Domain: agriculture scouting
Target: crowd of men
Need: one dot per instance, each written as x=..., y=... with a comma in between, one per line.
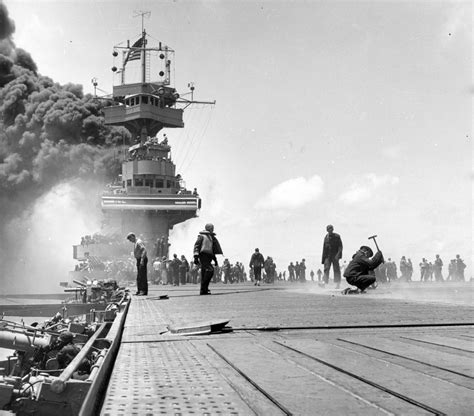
x=430, y=271
x=98, y=238
x=177, y=270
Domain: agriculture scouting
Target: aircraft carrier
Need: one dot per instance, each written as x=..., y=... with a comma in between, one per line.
x=294, y=349
x=277, y=349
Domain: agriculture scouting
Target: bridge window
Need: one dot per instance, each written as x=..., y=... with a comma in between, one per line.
x=149, y=182
x=145, y=100
x=138, y=182
x=129, y=182
x=159, y=183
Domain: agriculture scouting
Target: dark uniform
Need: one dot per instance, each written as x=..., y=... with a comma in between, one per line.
x=205, y=250
x=139, y=251
x=174, y=269
x=226, y=269
x=291, y=272
x=256, y=263
x=358, y=272
x=460, y=266
x=438, y=267
x=183, y=270
x=332, y=253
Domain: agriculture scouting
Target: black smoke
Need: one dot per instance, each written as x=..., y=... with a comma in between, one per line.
x=49, y=134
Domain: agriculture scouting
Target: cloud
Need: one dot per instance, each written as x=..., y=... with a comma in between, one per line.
x=293, y=193
x=392, y=152
x=365, y=189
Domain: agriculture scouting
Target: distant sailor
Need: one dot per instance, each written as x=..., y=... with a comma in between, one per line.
x=438, y=269
x=205, y=250
x=174, y=265
x=359, y=271
x=332, y=253
x=291, y=272
x=460, y=266
x=256, y=263
x=139, y=251
x=303, y=271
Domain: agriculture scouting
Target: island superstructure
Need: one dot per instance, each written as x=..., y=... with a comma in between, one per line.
x=149, y=197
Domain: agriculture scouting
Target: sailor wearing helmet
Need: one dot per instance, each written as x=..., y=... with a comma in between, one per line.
x=205, y=250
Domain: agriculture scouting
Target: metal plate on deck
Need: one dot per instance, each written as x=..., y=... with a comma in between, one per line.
x=168, y=378
x=199, y=328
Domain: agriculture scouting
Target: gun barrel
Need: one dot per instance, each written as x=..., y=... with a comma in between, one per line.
x=15, y=340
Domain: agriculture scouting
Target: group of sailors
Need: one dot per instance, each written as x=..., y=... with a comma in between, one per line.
x=430, y=271
x=179, y=271
x=433, y=271
x=98, y=238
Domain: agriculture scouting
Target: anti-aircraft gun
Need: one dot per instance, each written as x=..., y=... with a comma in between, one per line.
x=97, y=291
x=55, y=364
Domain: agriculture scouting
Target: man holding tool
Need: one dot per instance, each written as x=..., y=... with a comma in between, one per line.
x=359, y=271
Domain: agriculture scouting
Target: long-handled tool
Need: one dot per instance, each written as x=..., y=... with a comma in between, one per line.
x=372, y=237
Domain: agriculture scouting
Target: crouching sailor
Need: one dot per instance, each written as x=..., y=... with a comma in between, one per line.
x=359, y=271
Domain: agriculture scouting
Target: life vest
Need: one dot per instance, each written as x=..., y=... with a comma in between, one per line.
x=206, y=246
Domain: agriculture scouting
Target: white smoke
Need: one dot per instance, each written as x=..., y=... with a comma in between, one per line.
x=43, y=256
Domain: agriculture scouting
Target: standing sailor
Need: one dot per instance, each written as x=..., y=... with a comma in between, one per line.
x=205, y=250
x=256, y=263
x=139, y=251
x=332, y=253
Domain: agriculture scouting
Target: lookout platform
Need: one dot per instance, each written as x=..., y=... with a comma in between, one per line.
x=296, y=349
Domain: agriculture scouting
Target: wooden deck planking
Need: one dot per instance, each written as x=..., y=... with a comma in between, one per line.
x=416, y=386
x=423, y=353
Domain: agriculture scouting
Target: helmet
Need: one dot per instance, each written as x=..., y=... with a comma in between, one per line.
x=66, y=337
x=367, y=250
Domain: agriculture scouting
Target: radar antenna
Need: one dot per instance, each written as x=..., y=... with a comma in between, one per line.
x=143, y=14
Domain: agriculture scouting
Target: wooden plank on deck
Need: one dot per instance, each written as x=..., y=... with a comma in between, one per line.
x=413, y=385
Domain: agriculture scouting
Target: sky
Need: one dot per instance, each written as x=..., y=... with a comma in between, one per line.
x=351, y=113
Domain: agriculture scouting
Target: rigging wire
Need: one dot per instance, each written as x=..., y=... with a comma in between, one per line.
x=182, y=141
x=200, y=141
x=191, y=140
x=200, y=137
x=187, y=138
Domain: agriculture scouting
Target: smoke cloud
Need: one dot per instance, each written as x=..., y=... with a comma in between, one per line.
x=50, y=135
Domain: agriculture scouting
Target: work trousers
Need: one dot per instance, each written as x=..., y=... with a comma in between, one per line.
x=175, y=274
x=335, y=268
x=257, y=273
x=142, y=276
x=361, y=282
x=207, y=271
x=182, y=275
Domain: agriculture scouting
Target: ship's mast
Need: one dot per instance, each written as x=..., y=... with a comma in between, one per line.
x=144, y=56
x=143, y=14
